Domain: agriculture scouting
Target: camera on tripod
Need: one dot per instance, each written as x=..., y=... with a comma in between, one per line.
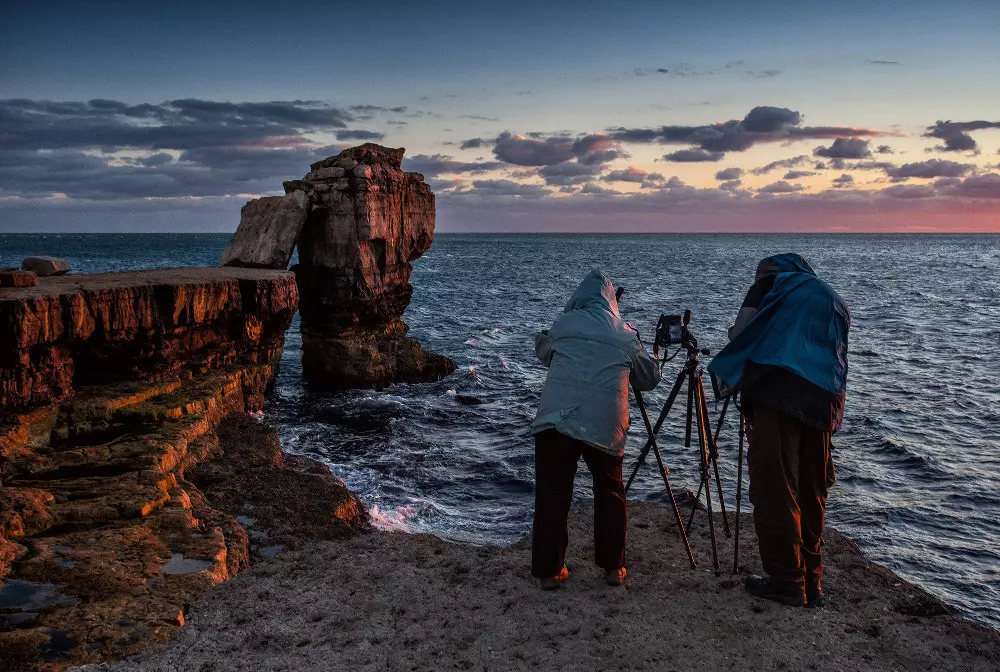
x=672, y=329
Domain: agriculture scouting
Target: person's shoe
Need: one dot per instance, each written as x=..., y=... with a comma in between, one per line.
x=814, y=596
x=553, y=582
x=761, y=587
x=615, y=577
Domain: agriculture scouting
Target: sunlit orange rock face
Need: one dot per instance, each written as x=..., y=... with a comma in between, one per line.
x=359, y=222
x=124, y=469
x=76, y=330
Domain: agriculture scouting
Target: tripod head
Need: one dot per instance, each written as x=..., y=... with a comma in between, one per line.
x=673, y=330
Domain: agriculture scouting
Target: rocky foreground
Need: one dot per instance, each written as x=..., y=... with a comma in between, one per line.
x=385, y=601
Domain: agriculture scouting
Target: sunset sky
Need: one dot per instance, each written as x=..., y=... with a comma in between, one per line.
x=542, y=116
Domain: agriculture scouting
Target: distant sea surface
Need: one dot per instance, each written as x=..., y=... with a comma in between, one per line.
x=918, y=459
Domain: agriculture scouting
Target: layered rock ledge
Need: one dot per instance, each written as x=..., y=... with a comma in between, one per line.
x=77, y=330
x=131, y=477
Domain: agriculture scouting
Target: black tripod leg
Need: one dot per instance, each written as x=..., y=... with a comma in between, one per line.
x=739, y=497
x=651, y=433
x=713, y=454
x=663, y=472
x=704, y=434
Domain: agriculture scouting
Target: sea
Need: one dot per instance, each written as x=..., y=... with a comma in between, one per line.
x=917, y=460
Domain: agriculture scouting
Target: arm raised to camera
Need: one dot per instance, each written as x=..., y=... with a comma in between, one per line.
x=543, y=346
x=645, y=373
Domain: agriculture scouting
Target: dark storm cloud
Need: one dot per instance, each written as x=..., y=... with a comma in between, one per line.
x=359, y=135
x=729, y=174
x=693, y=156
x=845, y=148
x=955, y=134
x=438, y=164
x=538, y=150
x=930, y=168
x=762, y=124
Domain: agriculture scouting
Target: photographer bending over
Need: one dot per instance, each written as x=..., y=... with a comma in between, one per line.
x=592, y=356
x=788, y=356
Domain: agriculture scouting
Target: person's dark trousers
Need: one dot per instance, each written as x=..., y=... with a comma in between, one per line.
x=790, y=471
x=556, y=457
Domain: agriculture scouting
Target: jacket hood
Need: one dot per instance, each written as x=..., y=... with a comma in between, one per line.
x=596, y=291
x=783, y=263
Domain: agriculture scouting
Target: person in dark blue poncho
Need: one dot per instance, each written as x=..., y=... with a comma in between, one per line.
x=787, y=356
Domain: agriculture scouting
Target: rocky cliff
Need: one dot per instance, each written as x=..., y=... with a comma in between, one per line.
x=78, y=330
x=359, y=222
x=131, y=477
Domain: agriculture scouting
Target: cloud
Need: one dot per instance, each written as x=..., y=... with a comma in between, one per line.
x=630, y=174
x=546, y=151
x=878, y=62
x=731, y=185
x=930, y=168
x=473, y=143
x=977, y=186
x=781, y=163
x=843, y=181
x=598, y=190
x=884, y=149
x=693, y=156
x=359, y=135
x=909, y=191
x=438, y=164
x=762, y=124
x=510, y=188
x=796, y=174
x=569, y=173
x=955, y=134
x=729, y=174
x=781, y=187
x=845, y=148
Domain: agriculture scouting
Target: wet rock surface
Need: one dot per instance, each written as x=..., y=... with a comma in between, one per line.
x=77, y=330
x=415, y=602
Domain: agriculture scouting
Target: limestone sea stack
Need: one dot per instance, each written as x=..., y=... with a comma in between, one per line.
x=365, y=223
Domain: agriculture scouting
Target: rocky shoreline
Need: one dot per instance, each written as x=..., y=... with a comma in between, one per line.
x=392, y=601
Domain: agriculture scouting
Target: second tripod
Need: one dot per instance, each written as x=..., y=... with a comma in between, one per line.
x=697, y=418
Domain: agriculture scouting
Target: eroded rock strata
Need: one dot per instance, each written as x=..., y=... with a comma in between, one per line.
x=366, y=222
x=92, y=329
x=130, y=496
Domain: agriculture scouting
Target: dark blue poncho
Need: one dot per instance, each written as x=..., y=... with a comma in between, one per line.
x=801, y=326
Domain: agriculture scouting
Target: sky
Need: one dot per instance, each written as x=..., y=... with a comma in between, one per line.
x=541, y=116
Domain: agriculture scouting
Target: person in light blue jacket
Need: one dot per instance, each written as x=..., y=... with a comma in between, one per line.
x=593, y=356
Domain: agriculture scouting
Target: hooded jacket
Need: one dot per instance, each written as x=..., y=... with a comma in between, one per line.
x=788, y=349
x=592, y=355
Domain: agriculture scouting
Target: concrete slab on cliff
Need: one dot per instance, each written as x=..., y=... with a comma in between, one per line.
x=415, y=602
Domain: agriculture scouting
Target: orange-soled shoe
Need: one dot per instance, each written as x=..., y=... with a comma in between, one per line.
x=553, y=582
x=615, y=577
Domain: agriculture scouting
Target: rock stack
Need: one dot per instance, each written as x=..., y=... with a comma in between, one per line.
x=359, y=221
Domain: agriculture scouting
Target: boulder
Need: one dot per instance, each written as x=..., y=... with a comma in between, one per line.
x=45, y=266
x=268, y=230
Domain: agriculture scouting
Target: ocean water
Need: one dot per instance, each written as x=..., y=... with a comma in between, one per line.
x=918, y=459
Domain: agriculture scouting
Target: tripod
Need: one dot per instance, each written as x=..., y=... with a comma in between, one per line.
x=697, y=409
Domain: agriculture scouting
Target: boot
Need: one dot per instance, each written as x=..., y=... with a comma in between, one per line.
x=761, y=587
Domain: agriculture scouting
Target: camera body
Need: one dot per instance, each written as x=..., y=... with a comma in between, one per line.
x=672, y=330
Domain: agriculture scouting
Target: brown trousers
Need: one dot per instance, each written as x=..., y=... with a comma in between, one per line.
x=790, y=471
x=556, y=457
